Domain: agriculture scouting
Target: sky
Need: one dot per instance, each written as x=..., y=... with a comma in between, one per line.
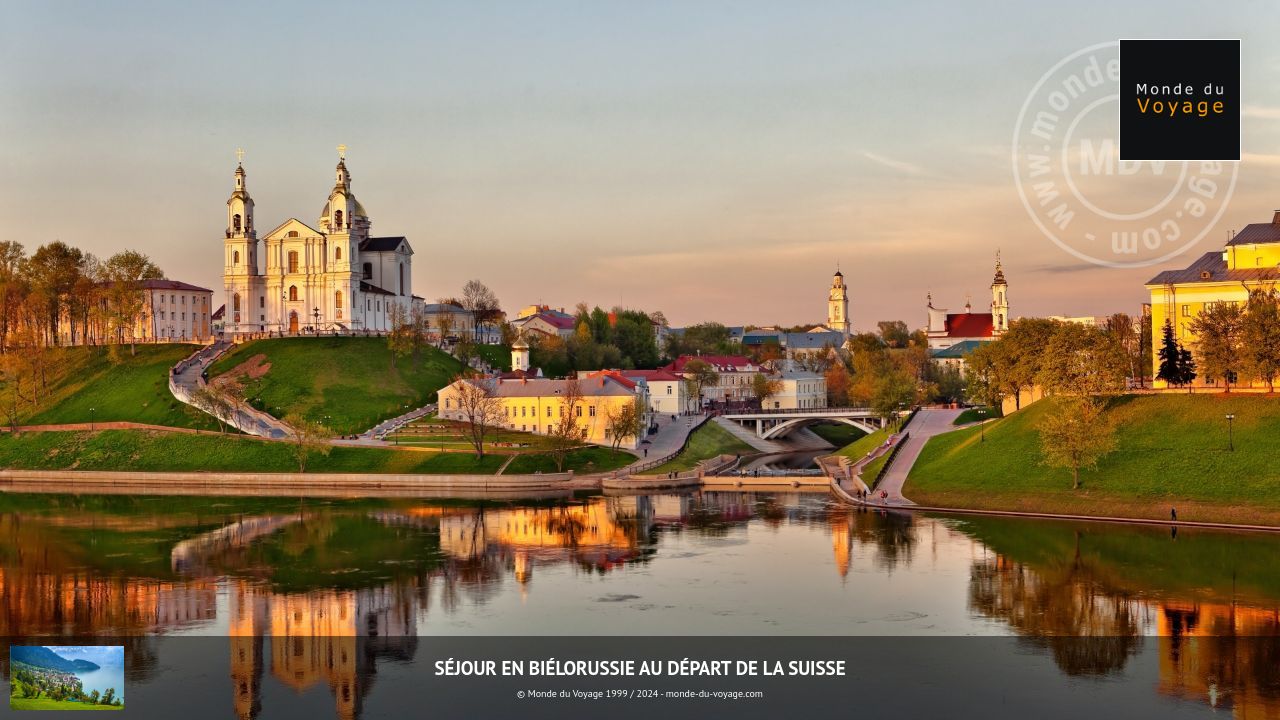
x=712, y=160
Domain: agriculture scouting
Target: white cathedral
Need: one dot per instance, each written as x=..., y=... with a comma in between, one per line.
x=336, y=278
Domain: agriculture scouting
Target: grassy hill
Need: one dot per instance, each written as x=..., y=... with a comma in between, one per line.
x=347, y=384
x=1171, y=451
x=129, y=388
x=706, y=442
x=148, y=451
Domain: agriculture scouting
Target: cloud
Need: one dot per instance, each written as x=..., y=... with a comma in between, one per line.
x=900, y=165
x=1261, y=112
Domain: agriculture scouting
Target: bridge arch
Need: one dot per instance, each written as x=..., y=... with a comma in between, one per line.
x=785, y=428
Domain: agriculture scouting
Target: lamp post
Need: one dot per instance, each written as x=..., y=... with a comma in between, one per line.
x=315, y=326
x=91, y=419
x=1231, y=445
x=982, y=426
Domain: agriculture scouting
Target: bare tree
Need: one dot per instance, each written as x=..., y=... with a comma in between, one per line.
x=566, y=433
x=481, y=302
x=214, y=403
x=698, y=374
x=479, y=408
x=624, y=422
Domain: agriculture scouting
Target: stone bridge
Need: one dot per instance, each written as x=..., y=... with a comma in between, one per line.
x=773, y=424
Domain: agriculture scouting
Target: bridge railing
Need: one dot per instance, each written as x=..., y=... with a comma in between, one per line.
x=802, y=411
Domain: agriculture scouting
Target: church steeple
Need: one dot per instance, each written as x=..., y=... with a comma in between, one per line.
x=999, y=300
x=838, y=305
x=240, y=205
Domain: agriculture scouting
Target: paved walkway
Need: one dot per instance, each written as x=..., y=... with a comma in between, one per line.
x=188, y=376
x=926, y=423
x=669, y=438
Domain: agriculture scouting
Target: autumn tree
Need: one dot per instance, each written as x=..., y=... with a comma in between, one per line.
x=1081, y=360
x=698, y=376
x=764, y=387
x=1260, y=336
x=624, y=421
x=1219, y=347
x=123, y=275
x=309, y=438
x=481, y=302
x=1076, y=435
x=837, y=377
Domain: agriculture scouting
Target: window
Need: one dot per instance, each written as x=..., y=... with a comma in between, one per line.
x=401, y=278
x=548, y=411
x=293, y=293
x=579, y=410
x=1186, y=311
x=591, y=411
x=337, y=219
x=235, y=222
x=337, y=299
x=337, y=253
x=293, y=261
x=262, y=301
x=235, y=302
x=235, y=258
x=367, y=271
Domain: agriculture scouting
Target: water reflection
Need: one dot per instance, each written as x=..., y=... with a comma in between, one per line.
x=318, y=594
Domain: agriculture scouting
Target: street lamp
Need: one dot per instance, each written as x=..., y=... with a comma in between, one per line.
x=315, y=326
x=91, y=419
x=982, y=426
x=1231, y=445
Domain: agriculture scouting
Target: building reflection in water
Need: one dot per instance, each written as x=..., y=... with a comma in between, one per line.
x=1219, y=653
x=321, y=625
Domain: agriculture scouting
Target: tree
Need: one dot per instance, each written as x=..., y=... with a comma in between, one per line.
x=108, y=696
x=625, y=421
x=53, y=270
x=894, y=333
x=565, y=433
x=1120, y=327
x=1219, y=349
x=13, y=287
x=126, y=297
x=1075, y=435
x=894, y=391
x=210, y=401
x=481, y=302
x=698, y=375
x=764, y=387
x=309, y=438
x=479, y=407
x=93, y=698
x=1186, y=367
x=1260, y=336
x=837, y=385
x=1170, y=356
x=1081, y=360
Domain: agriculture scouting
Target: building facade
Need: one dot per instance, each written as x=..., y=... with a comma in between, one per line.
x=1249, y=261
x=335, y=277
x=945, y=329
x=838, y=306
x=170, y=311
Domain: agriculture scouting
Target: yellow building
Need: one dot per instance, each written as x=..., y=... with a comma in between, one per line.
x=1248, y=261
x=537, y=404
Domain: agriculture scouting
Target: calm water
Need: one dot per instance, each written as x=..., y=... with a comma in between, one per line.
x=712, y=563
x=103, y=678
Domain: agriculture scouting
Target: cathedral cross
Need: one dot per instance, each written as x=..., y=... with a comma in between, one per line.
x=342, y=152
x=239, y=155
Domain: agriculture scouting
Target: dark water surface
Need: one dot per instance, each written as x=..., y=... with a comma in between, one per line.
x=284, y=608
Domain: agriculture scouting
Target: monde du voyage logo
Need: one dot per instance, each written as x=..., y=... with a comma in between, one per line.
x=1123, y=153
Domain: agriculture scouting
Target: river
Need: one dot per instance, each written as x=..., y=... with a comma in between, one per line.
x=725, y=564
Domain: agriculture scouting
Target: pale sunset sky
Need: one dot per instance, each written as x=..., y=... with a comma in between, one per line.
x=713, y=160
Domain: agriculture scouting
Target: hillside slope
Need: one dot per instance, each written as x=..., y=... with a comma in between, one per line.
x=347, y=384
x=1171, y=451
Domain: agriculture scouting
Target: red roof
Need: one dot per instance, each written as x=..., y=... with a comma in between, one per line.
x=658, y=375
x=719, y=362
x=969, y=325
x=612, y=375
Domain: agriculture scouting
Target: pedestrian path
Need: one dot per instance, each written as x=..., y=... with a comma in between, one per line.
x=926, y=423
x=189, y=375
x=669, y=439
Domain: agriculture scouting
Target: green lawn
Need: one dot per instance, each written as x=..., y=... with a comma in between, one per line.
x=838, y=434
x=864, y=445
x=1171, y=451
x=347, y=384
x=972, y=415
x=47, y=704
x=498, y=356
x=584, y=460
x=706, y=442
x=873, y=467
x=89, y=386
x=148, y=451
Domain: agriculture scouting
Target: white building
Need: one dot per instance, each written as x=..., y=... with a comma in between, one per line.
x=800, y=389
x=333, y=277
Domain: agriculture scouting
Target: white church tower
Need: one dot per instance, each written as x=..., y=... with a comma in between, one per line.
x=242, y=280
x=838, y=305
x=999, y=301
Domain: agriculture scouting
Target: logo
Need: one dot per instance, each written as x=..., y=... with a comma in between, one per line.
x=1083, y=196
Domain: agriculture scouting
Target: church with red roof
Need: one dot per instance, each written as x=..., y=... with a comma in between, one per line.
x=946, y=329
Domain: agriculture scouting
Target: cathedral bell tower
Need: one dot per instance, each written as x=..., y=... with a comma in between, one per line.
x=838, y=305
x=241, y=243
x=999, y=301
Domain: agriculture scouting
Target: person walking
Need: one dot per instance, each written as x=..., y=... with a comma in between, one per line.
x=1173, y=514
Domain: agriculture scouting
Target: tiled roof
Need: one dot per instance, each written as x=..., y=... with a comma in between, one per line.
x=382, y=244
x=658, y=375
x=556, y=320
x=217, y=314
x=720, y=362
x=1210, y=267
x=1258, y=233
x=813, y=340
x=969, y=325
x=603, y=386
x=958, y=350
x=172, y=285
